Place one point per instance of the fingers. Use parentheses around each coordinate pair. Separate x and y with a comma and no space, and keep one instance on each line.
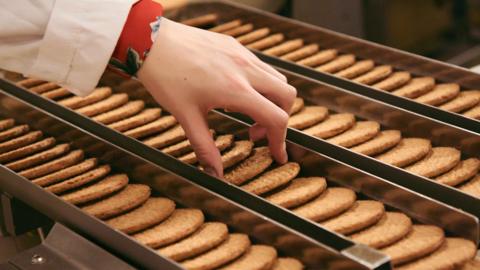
(195,125)
(257,132)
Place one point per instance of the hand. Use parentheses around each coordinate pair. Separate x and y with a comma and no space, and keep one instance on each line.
(190,71)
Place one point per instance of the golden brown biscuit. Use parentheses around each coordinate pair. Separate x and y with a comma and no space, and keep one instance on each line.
(471,265)
(44,87)
(98,190)
(422,240)
(6,124)
(110,103)
(361,215)
(287,264)
(13,132)
(337,64)
(453,253)
(298,105)
(56,93)
(380,143)
(178,148)
(159,125)
(232,248)
(166,138)
(226,26)
(361,132)
(464,170)
(240,30)
(319,58)
(21,141)
(395,80)
(300,191)
(438,161)
(201,20)
(465,100)
(356,69)
(78,102)
(473,113)
(374,75)
(257,257)
(30,82)
(253,36)
(254,165)
(285,47)
(389,229)
(208,236)
(62,174)
(52,166)
(272,179)
(406,152)
(180,224)
(79,180)
(472,187)
(416,87)
(41,157)
(127,110)
(330,203)
(128,198)
(266,42)
(301,53)
(27,150)
(309,116)
(144,117)
(240,151)
(222,142)
(333,125)
(441,93)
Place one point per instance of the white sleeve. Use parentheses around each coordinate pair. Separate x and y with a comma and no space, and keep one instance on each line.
(65,41)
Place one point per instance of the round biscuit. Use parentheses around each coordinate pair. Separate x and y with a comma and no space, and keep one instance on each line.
(373,76)
(38,158)
(416,87)
(420,241)
(266,42)
(29,82)
(62,174)
(79,180)
(356,69)
(98,190)
(6,124)
(202,20)
(44,87)
(441,93)
(298,105)
(254,165)
(471,265)
(169,137)
(226,26)
(54,165)
(257,257)
(110,103)
(287,264)
(472,187)
(240,151)
(239,30)
(337,64)
(178,149)
(272,179)
(120,113)
(285,47)
(208,236)
(159,125)
(300,191)
(361,132)
(307,117)
(333,125)
(406,152)
(180,224)
(144,117)
(76,102)
(439,160)
(57,93)
(465,100)
(301,53)
(13,132)
(221,142)
(318,58)
(464,170)
(232,248)
(254,35)
(383,141)
(20,141)
(473,112)
(395,80)
(27,150)
(331,202)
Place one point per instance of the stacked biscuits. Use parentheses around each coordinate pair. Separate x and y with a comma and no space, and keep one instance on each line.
(446,96)
(411,246)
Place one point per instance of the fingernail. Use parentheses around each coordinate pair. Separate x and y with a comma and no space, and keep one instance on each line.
(211,171)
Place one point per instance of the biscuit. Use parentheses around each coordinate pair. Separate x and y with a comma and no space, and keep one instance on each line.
(272,179)
(240,30)
(380,143)
(297,105)
(373,76)
(285,47)
(13,132)
(406,152)
(239,151)
(232,248)
(27,150)
(201,20)
(441,93)
(254,165)
(21,141)
(98,190)
(471,265)
(52,166)
(6,124)
(337,64)
(361,215)
(178,149)
(330,203)
(253,36)
(395,80)
(208,236)
(438,161)
(301,53)
(356,69)
(473,113)
(30,82)
(226,26)
(152,212)
(128,198)
(361,132)
(62,174)
(266,42)
(333,125)
(416,87)
(222,142)
(453,253)
(127,110)
(44,87)
(144,117)
(56,93)
(180,224)
(41,157)
(420,241)
(300,191)
(159,125)
(171,136)
(79,180)
(309,116)
(78,102)
(110,103)
(287,264)
(257,257)
(464,170)
(472,187)
(465,100)
(319,58)
(392,227)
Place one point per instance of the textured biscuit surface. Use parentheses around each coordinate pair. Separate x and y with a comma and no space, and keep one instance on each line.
(144,117)
(26,150)
(20,141)
(120,113)
(356,69)
(257,257)
(298,105)
(239,151)
(98,190)
(273,178)
(166,138)
(287,264)
(383,141)
(440,94)
(13,132)
(438,161)
(254,35)
(266,42)
(406,152)
(242,29)
(393,81)
(333,125)
(465,100)
(416,87)
(361,132)
(339,63)
(285,47)
(300,191)
(65,173)
(226,26)
(309,116)
(159,125)
(78,102)
(464,170)
(374,75)
(473,112)
(472,265)
(317,59)
(301,53)
(6,124)
(79,180)
(35,159)
(258,162)
(221,142)
(105,105)
(472,187)
(54,165)
(201,20)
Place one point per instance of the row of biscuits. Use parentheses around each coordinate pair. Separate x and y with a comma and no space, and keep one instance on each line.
(180,234)
(446,96)
(335,208)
